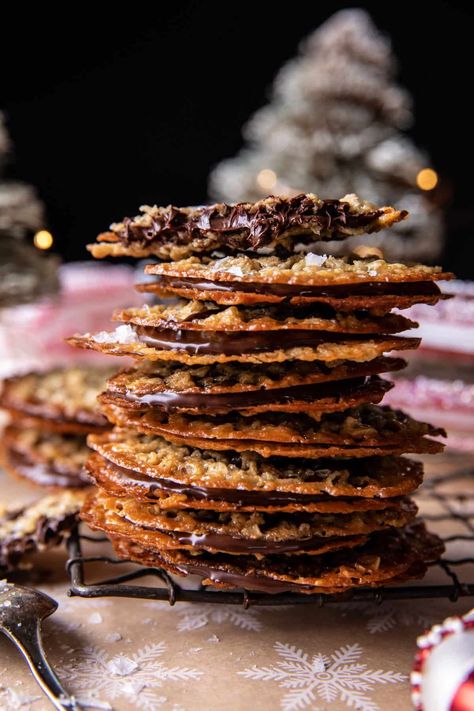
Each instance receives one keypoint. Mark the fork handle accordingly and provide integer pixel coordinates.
(27, 639)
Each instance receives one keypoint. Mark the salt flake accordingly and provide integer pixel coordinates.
(113, 637)
(123, 334)
(236, 271)
(315, 260)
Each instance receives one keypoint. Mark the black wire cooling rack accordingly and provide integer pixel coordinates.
(452, 511)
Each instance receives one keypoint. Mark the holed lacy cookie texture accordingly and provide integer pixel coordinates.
(249, 446)
(51, 414)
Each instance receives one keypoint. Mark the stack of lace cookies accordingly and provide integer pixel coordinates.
(50, 415)
(249, 445)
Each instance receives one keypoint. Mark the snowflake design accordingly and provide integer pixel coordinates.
(340, 676)
(193, 617)
(385, 617)
(136, 678)
(10, 700)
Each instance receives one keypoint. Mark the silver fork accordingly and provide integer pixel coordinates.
(22, 611)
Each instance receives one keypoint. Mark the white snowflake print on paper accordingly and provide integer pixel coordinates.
(193, 617)
(340, 676)
(384, 617)
(11, 700)
(94, 675)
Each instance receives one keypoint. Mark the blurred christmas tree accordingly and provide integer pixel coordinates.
(25, 274)
(334, 126)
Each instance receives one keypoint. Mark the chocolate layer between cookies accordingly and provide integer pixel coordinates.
(220, 388)
(148, 466)
(346, 284)
(387, 557)
(238, 533)
(363, 431)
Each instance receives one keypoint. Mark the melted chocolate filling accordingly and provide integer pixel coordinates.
(230, 544)
(339, 390)
(231, 343)
(368, 288)
(240, 497)
(244, 226)
(252, 582)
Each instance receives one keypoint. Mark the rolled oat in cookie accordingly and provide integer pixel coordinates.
(174, 233)
(36, 527)
(387, 557)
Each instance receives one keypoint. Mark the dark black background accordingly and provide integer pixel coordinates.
(107, 114)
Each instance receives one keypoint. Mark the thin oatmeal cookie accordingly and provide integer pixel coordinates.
(173, 233)
(236, 533)
(64, 397)
(125, 341)
(152, 378)
(315, 398)
(155, 458)
(234, 294)
(367, 430)
(105, 513)
(172, 495)
(208, 316)
(299, 270)
(37, 527)
(385, 558)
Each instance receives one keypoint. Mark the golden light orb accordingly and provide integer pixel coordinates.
(266, 179)
(427, 179)
(43, 239)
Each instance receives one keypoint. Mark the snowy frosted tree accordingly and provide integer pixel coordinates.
(335, 125)
(20, 209)
(24, 274)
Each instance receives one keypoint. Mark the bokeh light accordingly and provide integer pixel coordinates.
(43, 239)
(266, 179)
(427, 179)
